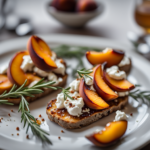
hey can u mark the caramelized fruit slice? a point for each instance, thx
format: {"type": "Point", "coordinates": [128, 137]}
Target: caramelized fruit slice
{"type": "Point", "coordinates": [112, 57]}
{"type": "Point", "coordinates": [118, 85]}
{"type": "Point", "coordinates": [91, 98]}
{"type": "Point", "coordinates": [5, 84]}
{"type": "Point", "coordinates": [40, 54]}
{"type": "Point", "coordinates": [112, 132]}
{"type": "Point", "coordinates": [101, 87]}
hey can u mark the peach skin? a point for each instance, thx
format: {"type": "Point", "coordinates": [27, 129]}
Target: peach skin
{"type": "Point", "coordinates": [5, 84]}
{"type": "Point", "coordinates": [40, 54]}
{"type": "Point", "coordinates": [91, 98]}
{"type": "Point", "coordinates": [109, 135]}
{"type": "Point", "coordinates": [112, 57]}
{"type": "Point", "coordinates": [118, 85]}
{"type": "Point", "coordinates": [101, 87]}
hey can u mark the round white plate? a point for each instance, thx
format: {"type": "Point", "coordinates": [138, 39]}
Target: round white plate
{"type": "Point", "coordinates": [138, 132]}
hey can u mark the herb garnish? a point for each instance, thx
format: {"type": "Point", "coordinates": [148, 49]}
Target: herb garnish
{"type": "Point", "coordinates": [77, 52]}
{"type": "Point", "coordinates": [140, 95]}
{"type": "Point", "coordinates": [66, 93]}
{"type": "Point", "coordinates": [84, 73]}
{"type": "Point", "coordinates": [26, 117]}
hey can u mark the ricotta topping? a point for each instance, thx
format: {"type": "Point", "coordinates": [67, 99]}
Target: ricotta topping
{"type": "Point", "coordinates": [40, 72]}
{"type": "Point", "coordinates": [3, 69]}
{"type": "Point", "coordinates": [115, 73]}
{"type": "Point", "coordinates": [60, 67]}
{"type": "Point", "coordinates": [125, 61]}
{"type": "Point", "coordinates": [33, 83]}
{"type": "Point", "coordinates": [53, 77]}
{"type": "Point", "coordinates": [92, 88]}
{"type": "Point", "coordinates": [122, 94]}
{"type": "Point", "coordinates": [120, 116]}
{"type": "Point", "coordinates": [27, 64]}
{"type": "Point", "coordinates": [74, 107]}
{"type": "Point", "coordinates": [88, 81]}
{"type": "Point", "coordinates": [74, 85]}
{"type": "Point", "coordinates": [106, 50]}
{"type": "Point", "coordinates": [54, 56]}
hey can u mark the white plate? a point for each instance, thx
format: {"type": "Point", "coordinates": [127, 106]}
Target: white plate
{"type": "Point", "coordinates": [138, 132]}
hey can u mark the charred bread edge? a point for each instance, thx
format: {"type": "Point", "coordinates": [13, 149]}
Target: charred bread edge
{"type": "Point", "coordinates": [87, 120]}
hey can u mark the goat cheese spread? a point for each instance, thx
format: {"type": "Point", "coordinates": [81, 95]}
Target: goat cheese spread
{"type": "Point", "coordinates": [120, 116]}
{"type": "Point", "coordinates": [27, 64]}
{"type": "Point", "coordinates": [115, 73]}
{"type": "Point", "coordinates": [74, 85]}
{"type": "Point", "coordinates": [60, 67]}
{"type": "Point", "coordinates": [74, 107]}
{"type": "Point", "coordinates": [122, 94]}
{"type": "Point", "coordinates": [33, 83]}
{"type": "Point", "coordinates": [3, 69]}
{"type": "Point", "coordinates": [88, 81]}
{"type": "Point", "coordinates": [124, 61]}
{"type": "Point", "coordinates": [106, 50]}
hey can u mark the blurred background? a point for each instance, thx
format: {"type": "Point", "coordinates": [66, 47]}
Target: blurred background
{"type": "Point", "coordinates": [127, 21]}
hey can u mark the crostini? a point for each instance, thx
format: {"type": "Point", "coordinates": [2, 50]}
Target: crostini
{"type": "Point", "coordinates": [33, 64]}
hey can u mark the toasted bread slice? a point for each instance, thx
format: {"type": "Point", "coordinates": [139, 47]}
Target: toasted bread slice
{"type": "Point", "coordinates": [126, 68]}
{"type": "Point", "coordinates": [62, 117]}
{"type": "Point", "coordinates": [16, 101]}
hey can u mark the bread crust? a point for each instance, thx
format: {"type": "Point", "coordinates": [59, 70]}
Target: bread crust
{"type": "Point", "coordinates": [16, 101]}
{"type": "Point", "coordinates": [69, 122]}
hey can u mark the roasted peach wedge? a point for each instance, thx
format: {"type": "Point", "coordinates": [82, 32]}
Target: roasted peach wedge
{"type": "Point", "coordinates": [40, 54]}
{"type": "Point", "coordinates": [15, 74]}
{"type": "Point", "coordinates": [112, 57]}
{"type": "Point", "coordinates": [91, 98]}
{"type": "Point", "coordinates": [109, 135]}
{"type": "Point", "coordinates": [101, 87]}
{"type": "Point", "coordinates": [118, 85]}
{"type": "Point", "coordinates": [5, 84]}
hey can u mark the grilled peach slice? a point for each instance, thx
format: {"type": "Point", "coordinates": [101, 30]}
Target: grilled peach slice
{"type": "Point", "coordinates": [109, 135]}
{"type": "Point", "coordinates": [91, 98]}
{"type": "Point", "coordinates": [15, 74]}
{"type": "Point", "coordinates": [101, 87]}
{"type": "Point", "coordinates": [112, 57]}
{"type": "Point", "coordinates": [40, 54]}
{"type": "Point", "coordinates": [5, 84]}
{"type": "Point", "coordinates": [118, 85]}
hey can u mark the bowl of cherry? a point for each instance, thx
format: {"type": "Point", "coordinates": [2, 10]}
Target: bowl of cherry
{"type": "Point", "coordinates": [74, 13]}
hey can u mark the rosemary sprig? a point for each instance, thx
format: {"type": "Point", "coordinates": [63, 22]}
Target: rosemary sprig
{"type": "Point", "coordinates": [77, 52]}
{"type": "Point", "coordinates": [66, 93]}
{"type": "Point", "coordinates": [5, 102]}
{"type": "Point", "coordinates": [140, 95]}
{"type": "Point", "coordinates": [84, 73]}
{"type": "Point", "coordinates": [26, 117]}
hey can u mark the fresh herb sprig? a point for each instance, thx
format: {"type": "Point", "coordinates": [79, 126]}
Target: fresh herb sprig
{"type": "Point", "coordinates": [84, 73]}
{"type": "Point", "coordinates": [140, 95]}
{"type": "Point", "coordinates": [5, 102]}
{"type": "Point", "coordinates": [66, 93]}
{"type": "Point", "coordinates": [26, 117]}
{"type": "Point", "coordinates": [77, 52]}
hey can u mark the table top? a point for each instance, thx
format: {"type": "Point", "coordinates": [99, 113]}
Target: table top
{"type": "Point", "coordinates": [116, 21]}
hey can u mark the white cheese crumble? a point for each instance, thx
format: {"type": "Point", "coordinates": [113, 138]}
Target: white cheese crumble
{"type": "Point", "coordinates": [86, 110]}
{"type": "Point", "coordinates": [53, 77]}
{"type": "Point", "coordinates": [88, 81]}
{"type": "Point", "coordinates": [74, 107]}
{"type": "Point", "coordinates": [120, 116]}
{"type": "Point", "coordinates": [122, 94]}
{"type": "Point", "coordinates": [54, 56]}
{"type": "Point", "coordinates": [3, 69]}
{"type": "Point", "coordinates": [33, 83]}
{"type": "Point", "coordinates": [115, 73]}
{"type": "Point", "coordinates": [60, 67]}
{"type": "Point", "coordinates": [92, 88]}
{"type": "Point", "coordinates": [74, 85]}
{"type": "Point", "coordinates": [27, 64]}
{"type": "Point", "coordinates": [40, 72]}
{"type": "Point", "coordinates": [106, 50]}
{"type": "Point", "coordinates": [124, 61]}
